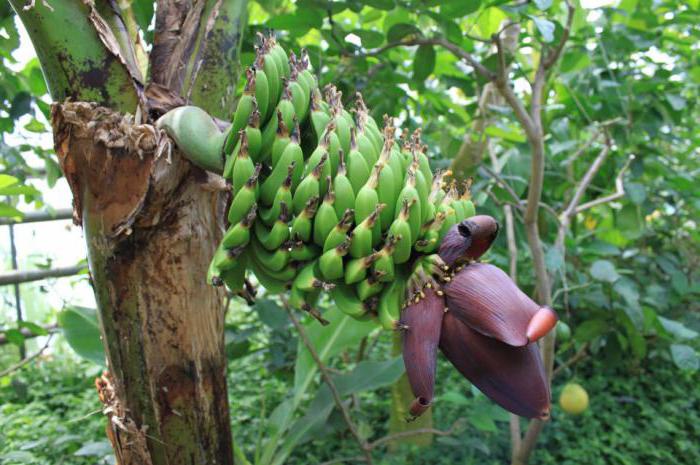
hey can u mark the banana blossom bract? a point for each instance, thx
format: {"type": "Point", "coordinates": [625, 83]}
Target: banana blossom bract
{"type": "Point", "coordinates": [485, 326]}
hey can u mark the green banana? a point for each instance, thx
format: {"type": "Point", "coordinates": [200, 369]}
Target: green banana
{"type": "Point", "coordinates": [339, 233]}
{"type": "Point", "coordinates": [274, 80]}
{"type": "Point", "coordinates": [244, 109]}
{"type": "Point", "coordinates": [309, 187]}
{"type": "Point", "coordinates": [331, 262]}
{"type": "Point", "coordinates": [308, 279]}
{"type": "Point", "coordinates": [367, 198]}
{"type": "Point", "coordinates": [245, 198]}
{"type": "Point", "coordinates": [344, 192]}
{"type": "Point", "coordinates": [368, 287]}
{"type": "Point", "coordinates": [262, 96]}
{"type": "Point", "coordinates": [400, 229]}
{"type": "Point", "coordinates": [278, 234]}
{"type": "Point", "coordinates": [357, 168]}
{"type": "Point", "coordinates": [271, 283]}
{"type": "Point", "coordinates": [301, 95]}
{"type": "Point", "coordinates": [243, 166]}
{"type": "Point", "coordinates": [390, 302]}
{"type": "Point", "coordinates": [361, 244]}
{"type": "Point", "coordinates": [292, 154]}
{"type": "Point", "coordinates": [280, 141]}
{"type": "Point", "coordinates": [302, 225]}
{"type": "Point", "coordinates": [282, 196]}
{"type": "Point", "coordinates": [239, 234]}
{"type": "Point", "coordinates": [384, 265]}
{"type": "Point", "coordinates": [410, 194]}
{"type": "Point", "coordinates": [196, 134]}
{"type": "Point", "coordinates": [272, 260]}
{"type": "Point", "coordinates": [303, 252]}
{"type": "Point", "coordinates": [223, 260]}
{"type": "Point", "coordinates": [326, 217]}
{"type": "Point", "coordinates": [234, 278]}
{"type": "Point", "coordinates": [347, 301]}
{"type": "Point", "coordinates": [319, 117]}
{"type": "Point", "coordinates": [356, 269]}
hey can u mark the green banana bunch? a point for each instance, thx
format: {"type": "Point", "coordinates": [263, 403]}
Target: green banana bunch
{"type": "Point", "coordinates": [322, 198]}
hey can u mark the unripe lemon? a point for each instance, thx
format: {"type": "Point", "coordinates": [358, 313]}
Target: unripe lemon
{"type": "Point", "coordinates": [573, 399]}
{"type": "Point", "coordinates": [563, 331]}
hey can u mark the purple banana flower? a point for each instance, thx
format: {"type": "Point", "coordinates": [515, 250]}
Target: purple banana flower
{"type": "Point", "coordinates": [421, 322]}
{"type": "Point", "coordinates": [513, 377]}
{"type": "Point", "coordinates": [484, 298]}
{"type": "Point", "coordinates": [488, 331]}
{"type": "Point", "coordinates": [468, 240]}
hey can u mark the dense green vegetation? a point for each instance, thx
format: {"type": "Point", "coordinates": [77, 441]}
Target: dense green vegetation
{"type": "Point", "coordinates": [625, 280]}
{"type": "Point", "coordinates": [641, 415]}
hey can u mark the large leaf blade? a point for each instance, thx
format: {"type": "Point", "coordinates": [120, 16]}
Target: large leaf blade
{"type": "Point", "coordinates": [81, 330]}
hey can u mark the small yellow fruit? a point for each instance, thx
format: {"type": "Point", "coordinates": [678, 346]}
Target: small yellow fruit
{"type": "Point", "coordinates": [573, 399]}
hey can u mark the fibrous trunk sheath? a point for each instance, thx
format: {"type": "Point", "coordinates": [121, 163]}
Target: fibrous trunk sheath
{"type": "Point", "coordinates": [151, 231]}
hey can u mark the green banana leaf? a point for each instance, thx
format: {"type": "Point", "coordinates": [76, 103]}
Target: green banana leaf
{"type": "Point", "coordinates": [342, 332]}
{"type": "Point", "coordinates": [366, 376]}
{"type": "Point", "coordinates": [82, 331]}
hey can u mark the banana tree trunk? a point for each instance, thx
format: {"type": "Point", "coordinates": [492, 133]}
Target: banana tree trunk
{"type": "Point", "coordinates": [150, 222]}
{"type": "Point", "coordinates": [401, 398]}
{"type": "Point", "coordinates": [151, 230]}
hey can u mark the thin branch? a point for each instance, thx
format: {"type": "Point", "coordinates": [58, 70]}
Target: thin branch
{"type": "Point", "coordinates": [366, 449]}
{"type": "Point", "coordinates": [40, 216]}
{"type": "Point", "coordinates": [554, 55]}
{"type": "Point", "coordinates": [570, 211]}
{"type": "Point", "coordinates": [414, 432]}
{"type": "Point", "coordinates": [496, 177]}
{"type": "Point", "coordinates": [528, 444]}
{"type": "Point", "coordinates": [357, 458]}
{"type": "Point", "coordinates": [332, 23]}
{"type": "Point", "coordinates": [569, 162]}
{"type": "Point", "coordinates": [37, 275]}
{"type": "Point", "coordinates": [619, 190]}
{"type": "Point", "coordinates": [503, 84]}
{"type": "Point", "coordinates": [580, 354]}
{"type": "Point", "coordinates": [548, 208]}
{"type": "Point", "coordinates": [29, 334]}
{"type": "Point", "coordinates": [26, 360]}
{"type": "Point", "coordinates": [566, 290]}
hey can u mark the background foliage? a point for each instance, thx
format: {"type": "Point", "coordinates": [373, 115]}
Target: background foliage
{"type": "Point", "coordinates": [628, 286]}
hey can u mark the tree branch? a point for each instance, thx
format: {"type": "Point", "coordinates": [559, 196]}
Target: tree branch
{"type": "Point", "coordinates": [415, 432]}
{"type": "Point", "coordinates": [26, 360]}
{"type": "Point", "coordinates": [554, 55]}
{"type": "Point", "coordinates": [500, 181]}
{"type": "Point", "coordinates": [40, 216]}
{"type": "Point", "coordinates": [26, 276]}
{"type": "Point", "coordinates": [544, 292]}
{"type": "Point", "coordinates": [364, 446]}
{"type": "Point", "coordinates": [28, 333]}
{"type": "Point", "coordinates": [619, 190]}
{"type": "Point", "coordinates": [503, 85]}
{"type": "Point", "coordinates": [570, 211]}
{"type": "Point", "coordinates": [580, 354]}
{"type": "Point", "coordinates": [514, 420]}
